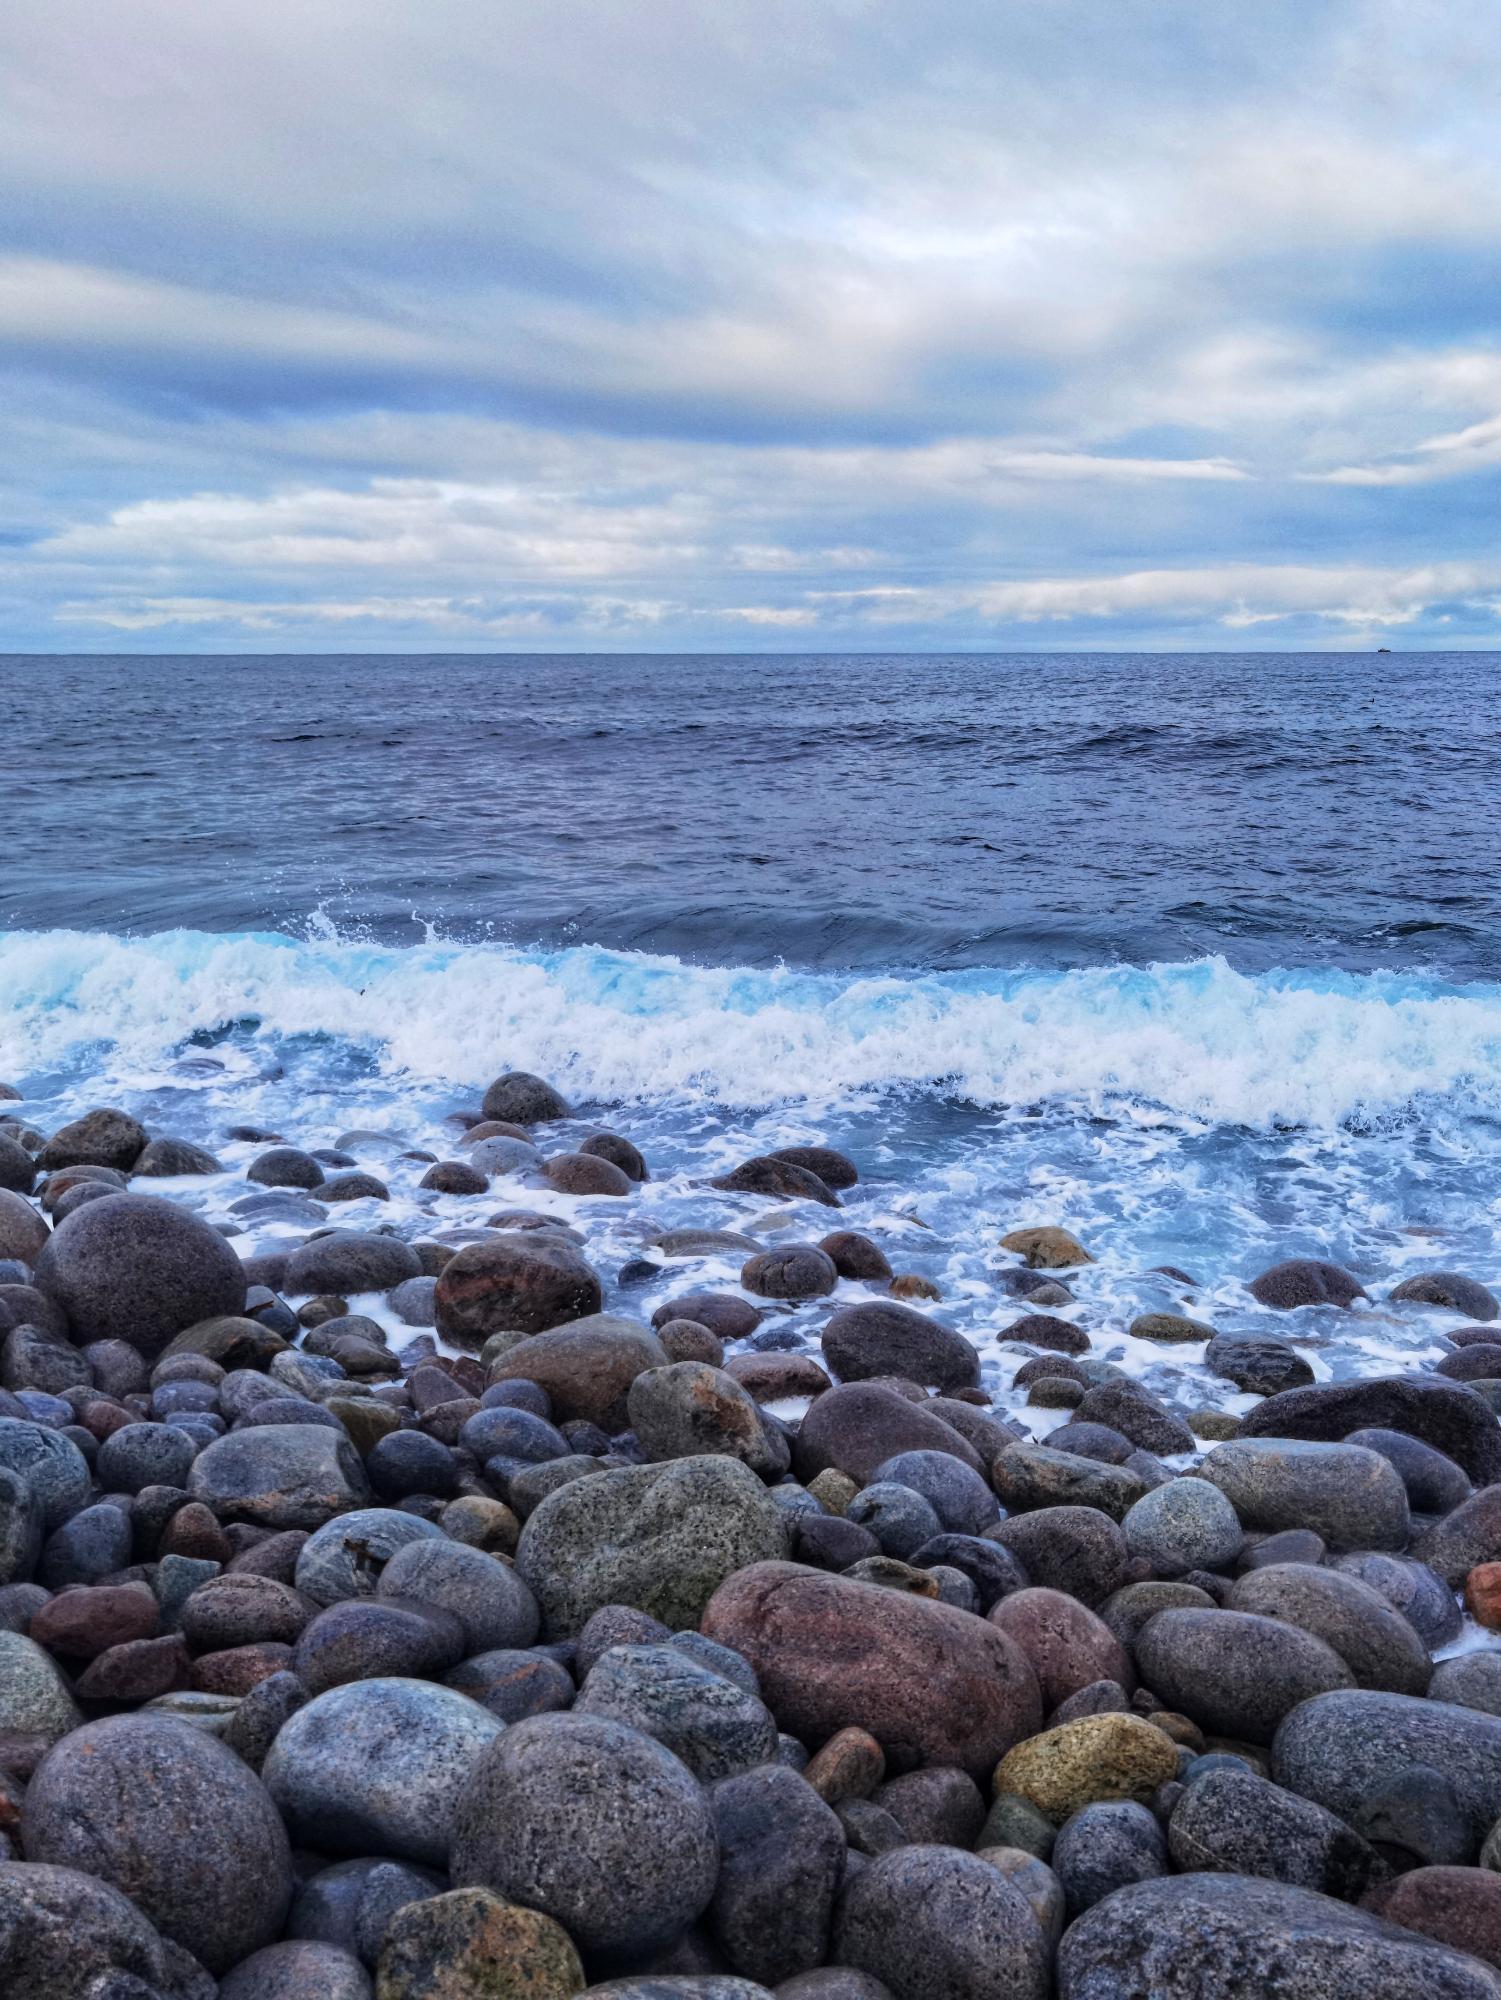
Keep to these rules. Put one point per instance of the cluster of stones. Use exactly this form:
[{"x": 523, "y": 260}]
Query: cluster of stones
[{"x": 562, "y": 1663}]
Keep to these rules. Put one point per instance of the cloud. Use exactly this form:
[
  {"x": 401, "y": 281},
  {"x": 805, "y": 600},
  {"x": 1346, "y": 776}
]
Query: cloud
[{"x": 306, "y": 306}]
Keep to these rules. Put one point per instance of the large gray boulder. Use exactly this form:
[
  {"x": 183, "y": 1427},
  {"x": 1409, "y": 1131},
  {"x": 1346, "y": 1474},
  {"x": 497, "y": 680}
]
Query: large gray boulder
[
  {"x": 378, "y": 1767},
  {"x": 280, "y": 1476},
  {"x": 592, "y": 1823},
  {"x": 1337, "y": 1748},
  {"x": 136, "y": 1268},
  {"x": 1234, "y": 1937},
  {"x": 64, "y": 1934},
  {"x": 1352, "y": 1497},
  {"x": 164, "y": 1813},
  {"x": 659, "y": 1537},
  {"x": 1234, "y": 1673}
]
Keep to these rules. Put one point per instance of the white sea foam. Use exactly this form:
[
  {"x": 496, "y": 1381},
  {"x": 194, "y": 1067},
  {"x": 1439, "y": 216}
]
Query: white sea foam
[{"x": 1197, "y": 1040}]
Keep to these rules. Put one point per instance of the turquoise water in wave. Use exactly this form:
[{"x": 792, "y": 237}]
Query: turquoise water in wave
[{"x": 1200, "y": 957}]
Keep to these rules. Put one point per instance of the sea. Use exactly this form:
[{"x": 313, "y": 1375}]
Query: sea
[{"x": 1197, "y": 955}]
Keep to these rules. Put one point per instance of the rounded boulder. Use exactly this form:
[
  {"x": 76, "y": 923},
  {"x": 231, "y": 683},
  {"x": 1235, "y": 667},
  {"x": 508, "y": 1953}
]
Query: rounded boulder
[{"x": 137, "y": 1268}]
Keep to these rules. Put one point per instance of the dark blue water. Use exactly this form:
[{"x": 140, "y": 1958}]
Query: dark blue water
[{"x": 850, "y": 812}]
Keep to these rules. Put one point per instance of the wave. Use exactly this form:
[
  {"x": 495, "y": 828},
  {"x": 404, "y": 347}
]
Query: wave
[{"x": 1198, "y": 1040}]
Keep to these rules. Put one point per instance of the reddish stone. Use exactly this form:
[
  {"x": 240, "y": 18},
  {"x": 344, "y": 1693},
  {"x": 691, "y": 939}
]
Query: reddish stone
[
  {"x": 1483, "y": 1594},
  {"x": 79, "y": 1624},
  {"x": 139, "y": 1670},
  {"x": 1068, "y": 1646},
  {"x": 193, "y": 1531},
  {"x": 849, "y": 1766},
  {"x": 932, "y": 1684},
  {"x": 771, "y": 1377},
  {"x": 240, "y": 1668},
  {"x": 1458, "y": 1906}
]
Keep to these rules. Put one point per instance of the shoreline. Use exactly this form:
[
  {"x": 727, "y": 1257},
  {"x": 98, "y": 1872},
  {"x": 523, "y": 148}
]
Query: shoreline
[{"x": 402, "y": 1500}]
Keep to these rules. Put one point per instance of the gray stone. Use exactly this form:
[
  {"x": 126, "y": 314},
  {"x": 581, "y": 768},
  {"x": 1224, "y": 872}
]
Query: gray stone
[
  {"x": 1128, "y": 1408},
  {"x": 1233, "y": 1673},
  {"x": 961, "y": 1499},
  {"x": 1353, "y": 1498},
  {"x": 296, "y": 1971},
  {"x": 716, "y": 1728},
  {"x": 491, "y": 1602},
  {"x": 878, "y": 1337},
  {"x": 1435, "y": 1484},
  {"x": 1469, "y": 1535},
  {"x": 347, "y": 1556},
  {"x": 1418, "y": 1592},
  {"x": 689, "y": 1410},
  {"x": 1077, "y": 1550},
  {"x": 34, "y": 1697},
  {"x": 22, "y": 1230},
  {"x": 351, "y": 1904},
  {"x": 173, "y": 1820},
  {"x": 1103, "y": 1848},
  {"x": 1450, "y": 1417},
  {"x": 1256, "y": 1363},
  {"x": 1472, "y": 1680},
  {"x": 1305, "y": 1281},
  {"x": 1187, "y": 1524},
  {"x": 378, "y": 1767},
  {"x": 65, "y": 1935},
  {"x": 514, "y": 1683},
  {"x": 592, "y": 1823},
  {"x": 139, "y": 1269},
  {"x": 280, "y": 1476},
  {"x": 519, "y": 1098},
  {"x": 140, "y": 1455},
  {"x": 659, "y": 1537},
  {"x": 1233, "y": 1937},
  {"x": 20, "y": 1527},
  {"x": 1338, "y": 1747},
  {"x": 934, "y": 1923},
  {"x": 1034, "y": 1476},
  {"x": 901, "y": 1521},
  {"x": 1236, "y": 1823},
  {"x": 782, "y": 1854},
  {"x": 103, "y": 1138},
  {"x": 52, "y": 1466},
  {"x": 91, "y": 1544},
  {"x": 1372, "y": 1638}
]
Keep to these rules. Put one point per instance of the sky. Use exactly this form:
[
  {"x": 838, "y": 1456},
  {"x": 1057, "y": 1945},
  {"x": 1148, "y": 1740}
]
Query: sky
[{"x": 737, "y": 325}]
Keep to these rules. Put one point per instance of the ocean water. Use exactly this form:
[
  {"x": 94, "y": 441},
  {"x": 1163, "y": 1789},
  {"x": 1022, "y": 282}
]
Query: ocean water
[{"x": 1199, "y": 956}]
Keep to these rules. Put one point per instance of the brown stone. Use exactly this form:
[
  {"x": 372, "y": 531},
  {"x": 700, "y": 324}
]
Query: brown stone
[
  {"x": 771, "y": 1378},
  {"x": 240, "y": 1668},
  {"x": 586, "y": 1174},
  {"x": 1046, "y": 1248},
  {"x": 586, "y": 1368},
  {"x": 79, "y": 1624},
  {"x": 849, "y": 1766},
  {"x": 859, "y": 1425},
  {"x": 522, "y": 1282},
  {"x": 932, "y": 1684},
  {"x": 855, "y": 1256},
  {"x": 1458, "y": 1906},
  {"x": 1483, "y": 1594}
]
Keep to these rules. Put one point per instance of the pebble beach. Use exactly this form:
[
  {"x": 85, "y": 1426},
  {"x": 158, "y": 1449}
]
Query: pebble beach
[{"x": 474, "y": 1559}]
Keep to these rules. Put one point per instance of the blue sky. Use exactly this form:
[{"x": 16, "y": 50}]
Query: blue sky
[{"x": 746, "y": 324}]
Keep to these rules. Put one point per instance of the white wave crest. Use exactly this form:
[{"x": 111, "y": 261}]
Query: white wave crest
[{"x": 1199, "y": 1040}]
